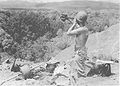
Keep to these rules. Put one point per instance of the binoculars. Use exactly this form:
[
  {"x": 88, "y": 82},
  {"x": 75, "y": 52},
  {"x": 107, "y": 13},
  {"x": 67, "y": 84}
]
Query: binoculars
[{"x": 65, "y": 17}]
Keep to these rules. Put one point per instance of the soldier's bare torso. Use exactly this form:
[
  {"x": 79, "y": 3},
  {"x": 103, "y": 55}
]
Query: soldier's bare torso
[{"x": 81, "y": 39}]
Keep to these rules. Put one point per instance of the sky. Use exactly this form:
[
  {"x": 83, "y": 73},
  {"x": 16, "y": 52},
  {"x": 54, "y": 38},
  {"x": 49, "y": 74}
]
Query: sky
[{"x": 114, "y": 1}]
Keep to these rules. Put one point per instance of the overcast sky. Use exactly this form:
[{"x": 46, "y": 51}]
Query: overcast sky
[{"x": 114, "y": 1}]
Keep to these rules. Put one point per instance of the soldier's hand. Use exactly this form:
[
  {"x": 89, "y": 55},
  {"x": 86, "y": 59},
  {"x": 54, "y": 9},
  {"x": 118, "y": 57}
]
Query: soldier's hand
[{"x": 74, "y": 21}]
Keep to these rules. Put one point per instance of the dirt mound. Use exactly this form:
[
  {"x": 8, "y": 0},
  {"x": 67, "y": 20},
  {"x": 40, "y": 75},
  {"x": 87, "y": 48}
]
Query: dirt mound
[{"x": 106, "y": 42}]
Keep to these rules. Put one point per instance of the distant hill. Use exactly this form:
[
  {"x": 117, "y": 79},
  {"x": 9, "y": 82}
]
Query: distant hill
[
  {"x": 16, "y": 4},
  {"x": 67, "y": 5},
  {"x": 78, "y": 5}
]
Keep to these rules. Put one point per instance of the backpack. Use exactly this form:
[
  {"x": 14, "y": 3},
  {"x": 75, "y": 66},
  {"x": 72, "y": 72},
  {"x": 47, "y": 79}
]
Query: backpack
[{"x": 102, "y": 70}]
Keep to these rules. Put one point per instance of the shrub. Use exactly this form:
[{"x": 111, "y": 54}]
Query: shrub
[{"x": 26, "y": 25}]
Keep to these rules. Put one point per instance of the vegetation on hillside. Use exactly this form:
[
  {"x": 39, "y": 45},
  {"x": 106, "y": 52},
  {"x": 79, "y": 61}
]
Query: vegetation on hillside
[{"x": 37, "y": 34}]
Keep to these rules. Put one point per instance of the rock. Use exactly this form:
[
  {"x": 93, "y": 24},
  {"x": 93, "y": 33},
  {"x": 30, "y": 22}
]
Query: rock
[
  {"x": 61, "y": 45},
  {"x": 51, "y": 67},
  {"x": 26, "y": 71},
  {"x": 105, "y": 42}
]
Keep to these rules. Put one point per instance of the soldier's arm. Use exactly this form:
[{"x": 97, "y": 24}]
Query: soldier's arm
[
  {"x": 77, "y": 31},
  {"x": 71, "y": 28}
]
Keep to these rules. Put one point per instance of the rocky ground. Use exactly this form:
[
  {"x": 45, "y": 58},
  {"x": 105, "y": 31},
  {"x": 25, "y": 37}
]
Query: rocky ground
[{"x": 44, "y": 80}]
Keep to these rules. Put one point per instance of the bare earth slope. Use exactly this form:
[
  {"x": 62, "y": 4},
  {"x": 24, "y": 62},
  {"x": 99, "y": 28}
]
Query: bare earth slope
[
  {"x": 66, "y": 54},
  {"x": 106, "y": 42}
]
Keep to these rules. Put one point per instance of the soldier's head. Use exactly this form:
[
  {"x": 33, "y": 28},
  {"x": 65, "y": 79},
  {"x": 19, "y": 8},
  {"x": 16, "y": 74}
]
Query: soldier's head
[{"x": 81, "y": 17}]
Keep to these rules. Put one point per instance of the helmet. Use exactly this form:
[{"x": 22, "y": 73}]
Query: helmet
[{"x": 81, "y": 16}]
